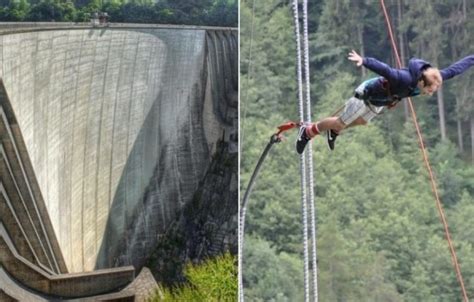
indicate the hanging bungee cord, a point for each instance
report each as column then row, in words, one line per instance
column 275, row 138
column 306, row 165
column 306, row 158
column 309, row 154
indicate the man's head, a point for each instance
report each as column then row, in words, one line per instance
column 430, row 81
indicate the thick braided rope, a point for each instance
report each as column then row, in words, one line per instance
column 302, row 160
column 428, row 167
column 243, row 211
column 309, row 155
column 240, row 251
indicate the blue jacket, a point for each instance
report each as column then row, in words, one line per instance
column 395, row 84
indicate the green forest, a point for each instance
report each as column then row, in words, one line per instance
column 202, row 12
column 379, row 235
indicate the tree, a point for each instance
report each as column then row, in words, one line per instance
column 269, row 276
column 223, row 13
column 14, row 10
column 428, row 44
column 52, row 10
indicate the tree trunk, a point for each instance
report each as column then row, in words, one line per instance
column 472, row 139
column 360, row 33
column 459, row 124
column 464, row 9
column 442, row 120
column 401, row 39
column 460, row 142
column 440, row 98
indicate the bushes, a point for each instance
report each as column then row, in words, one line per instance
column 213, row 280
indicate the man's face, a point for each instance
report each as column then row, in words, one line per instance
column 430, row 89
column 429, row 85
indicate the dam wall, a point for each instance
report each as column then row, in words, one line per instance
column 111, row 117
column 31, row 263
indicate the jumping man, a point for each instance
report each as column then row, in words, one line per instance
column 373, row 95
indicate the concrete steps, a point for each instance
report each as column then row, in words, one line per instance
column 61, row 285
column 23, row 212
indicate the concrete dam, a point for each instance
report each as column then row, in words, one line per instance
column 107, row 133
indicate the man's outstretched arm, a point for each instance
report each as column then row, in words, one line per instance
column 375, row 65
column 457, row 68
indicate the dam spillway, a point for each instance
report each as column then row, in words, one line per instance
column 119, row 126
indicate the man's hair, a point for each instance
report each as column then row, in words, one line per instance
column 431, row 75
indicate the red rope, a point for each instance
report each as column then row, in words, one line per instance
column 428, row 167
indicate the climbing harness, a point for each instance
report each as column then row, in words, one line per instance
column 428, row 167
column 393, row 99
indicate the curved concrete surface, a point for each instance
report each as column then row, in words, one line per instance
column 21, row 211
column 119, row 125
column 13, row 291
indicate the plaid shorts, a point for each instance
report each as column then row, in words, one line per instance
column 356, row 108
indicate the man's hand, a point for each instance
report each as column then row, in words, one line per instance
column 354, row 57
